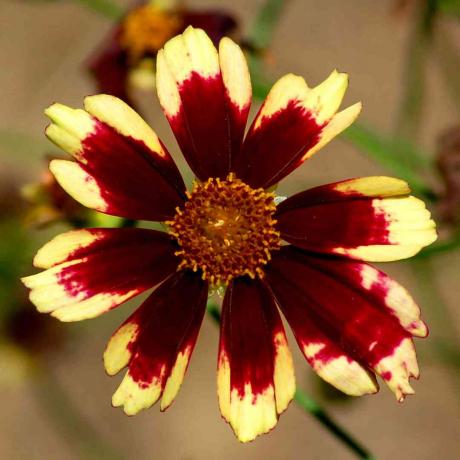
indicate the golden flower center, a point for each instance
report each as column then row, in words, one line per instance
column 225, row 229
column 146, row 29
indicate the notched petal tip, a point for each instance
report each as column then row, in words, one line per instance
column 135, row 396
column 398, row 368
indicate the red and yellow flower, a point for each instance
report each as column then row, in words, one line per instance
column 127, row 59
column 306, row 256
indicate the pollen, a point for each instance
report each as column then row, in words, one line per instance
column 146, row 29
column 225, row 229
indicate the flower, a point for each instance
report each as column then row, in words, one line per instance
column 127, row 59
column 306, row 256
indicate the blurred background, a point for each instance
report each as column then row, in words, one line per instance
column 403, row 60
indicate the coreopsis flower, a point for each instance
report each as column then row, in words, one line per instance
column 306, row 256
column 127, row 59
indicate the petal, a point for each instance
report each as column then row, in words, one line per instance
column 156, row 343
column 255, row 372
column 206, row 97
column 123, row 168
column 92, row 271
column 370, row 218
column 293, row 123
column 343, row 329
column 384, row 293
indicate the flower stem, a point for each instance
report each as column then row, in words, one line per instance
column 67, row 420
column 312, row 407
column 106, row 8
column 388, row 152
column 408, row 124
column 264, row 25
column 308, row 404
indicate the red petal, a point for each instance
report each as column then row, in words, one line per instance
column 92, row 271
column 333, row 318
column 206, row 110
column 123, row 168
column 293, row 123
column 156, row 343
column 255, row 376
column 370, row 218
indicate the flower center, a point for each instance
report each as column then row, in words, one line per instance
column 226, row 229
column 146, row 29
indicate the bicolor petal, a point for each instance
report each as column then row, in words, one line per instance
column 89, row 272
column 206, row 98
column 255, row 372
column 156, row 343
column 292, row 124
column 122, row 167
column 345, row 329
column 371, row 218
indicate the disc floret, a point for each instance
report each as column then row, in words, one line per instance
column 225, row 229
column 146, row 29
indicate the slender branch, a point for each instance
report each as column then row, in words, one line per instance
column 106, row 8
column 408, row 124
column 388, row 152
column 264, row 25
column 313, row 408
column 67, row 419
column 308, row 404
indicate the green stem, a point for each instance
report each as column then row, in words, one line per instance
column 106, row 8
column 388, row 153
column 313, row 408
column 408, row 124
column 309, row 405
column 68, row 420
column 264, row 25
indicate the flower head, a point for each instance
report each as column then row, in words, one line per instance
column 127, row 59
column 306, row 256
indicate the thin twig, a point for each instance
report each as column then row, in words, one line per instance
column 312, row 407
column 263, row 28
column 408, row 123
